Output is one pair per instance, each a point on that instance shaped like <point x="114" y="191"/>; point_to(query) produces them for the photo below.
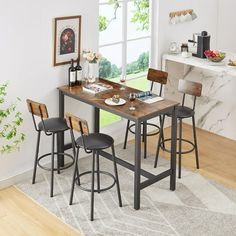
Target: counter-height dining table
<point x="143" y="112"/>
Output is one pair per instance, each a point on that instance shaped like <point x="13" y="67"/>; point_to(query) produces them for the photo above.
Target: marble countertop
<point x="221" y="67"/>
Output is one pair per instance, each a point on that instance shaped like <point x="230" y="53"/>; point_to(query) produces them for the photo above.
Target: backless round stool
<point x="51" y="127"/>
<point x="91" y="143"/>
<point x="155" y="76"/>
<point x="190" y="88"/>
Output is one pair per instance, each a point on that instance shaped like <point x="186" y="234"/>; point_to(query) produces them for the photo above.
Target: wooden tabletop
<point x="143" y="110"/>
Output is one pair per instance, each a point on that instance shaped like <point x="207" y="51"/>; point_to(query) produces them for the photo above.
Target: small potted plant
<point x="10" y="121"/>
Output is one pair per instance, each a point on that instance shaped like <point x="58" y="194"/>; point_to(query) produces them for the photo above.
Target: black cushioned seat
<point x="95" y="141"/>
<point x="53" y="125"/>
<point x="50" y="127"/>
<point x="193" y="89"/>
<point x="182" y="112"/>
<point x="91" y="143"/>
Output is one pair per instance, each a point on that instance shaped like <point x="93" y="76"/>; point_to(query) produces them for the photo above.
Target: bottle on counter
<point x="184" y="47"/>
<point x="184" y="50"/>
<point x="72" y="74"/>
<point x="78" y="69"/>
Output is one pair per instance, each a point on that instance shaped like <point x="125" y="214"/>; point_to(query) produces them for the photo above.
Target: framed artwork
<point x="67" y="36"/>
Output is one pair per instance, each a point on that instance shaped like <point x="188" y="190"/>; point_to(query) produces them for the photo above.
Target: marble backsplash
<point x="216" y="109"/>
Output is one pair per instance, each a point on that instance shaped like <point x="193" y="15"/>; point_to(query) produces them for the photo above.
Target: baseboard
<point x="17" y="178"/>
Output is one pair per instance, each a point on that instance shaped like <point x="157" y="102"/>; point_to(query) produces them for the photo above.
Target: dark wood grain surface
<point x="76" y="123"/>
<point x="157" y="76"/>
<point x="190" y="87"/>
<point x="36" y="108"/>
<point x="143" y="110"/>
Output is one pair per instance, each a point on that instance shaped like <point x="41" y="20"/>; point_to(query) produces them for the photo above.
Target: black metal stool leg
<point x="162" y="134"/>
<point x="126" y="134"/>
<point x="52" y="165"/>
<point x="92" y="188"/>
<point x="74" y="176"/>
<point x="36" y="157"/>
<point x="116" y="174"/>
<point x="180" y="146"/>
<point x="159" y="141"/>
<point x="75" y="155"/>
<point x="77" y="173"/>
<point x="58" y="157"/>
<point x="195" y="142"/>
<point x="98" y="172"/>
<point x="145" y="138"/>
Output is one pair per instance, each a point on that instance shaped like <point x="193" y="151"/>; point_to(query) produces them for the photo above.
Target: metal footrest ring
<point x="148" y="124"/>
<point x="177" y="152"/>
<point x="61" y="167"/>
<point x="96" y="190"/>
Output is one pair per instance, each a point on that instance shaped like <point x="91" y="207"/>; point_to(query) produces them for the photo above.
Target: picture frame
<point x="67" y="37"/>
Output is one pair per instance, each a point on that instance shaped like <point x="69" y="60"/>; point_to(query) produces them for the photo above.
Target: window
<point x="124" y="41"/>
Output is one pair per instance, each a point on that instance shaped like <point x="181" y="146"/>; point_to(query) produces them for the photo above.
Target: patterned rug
<point x="197" y="207"/>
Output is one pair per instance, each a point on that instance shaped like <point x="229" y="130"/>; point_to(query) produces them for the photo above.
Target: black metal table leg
<point x="173" y="150"/>
<point x="60" y="136"/>
<point x="126" y="134"/>
<point x="137" y="165"/>
<point x="96" y="119"/>
<point x="145" y="139"/>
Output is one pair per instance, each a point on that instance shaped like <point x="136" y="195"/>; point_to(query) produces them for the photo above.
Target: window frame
<point x="124" y="42"/>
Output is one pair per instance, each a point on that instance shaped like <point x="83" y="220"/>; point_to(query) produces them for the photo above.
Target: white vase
<point x="92" y="71"/>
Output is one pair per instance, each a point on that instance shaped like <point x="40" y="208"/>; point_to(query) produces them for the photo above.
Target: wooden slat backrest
<point x="190" y="87"/>
<point x="77" y="123"/>
<point x="157" y="76"/>
<point x="38" y="109"/>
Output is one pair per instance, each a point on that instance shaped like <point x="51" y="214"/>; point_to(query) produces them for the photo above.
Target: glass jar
<point x="92" y="72"/>
<point x="173" y="48"/>
<point x="184" y="47"/>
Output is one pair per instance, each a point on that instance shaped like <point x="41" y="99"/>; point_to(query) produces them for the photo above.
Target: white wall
<point x="226" y="26"/>
<point x="166" y="33"/>
<point x="26" y="48"/>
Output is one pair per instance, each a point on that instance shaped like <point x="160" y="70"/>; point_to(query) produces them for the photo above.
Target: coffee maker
<point x="203" y="43"/>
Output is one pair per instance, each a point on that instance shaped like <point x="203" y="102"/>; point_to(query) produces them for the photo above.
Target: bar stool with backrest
<point x="51" y="127"/>
<point x="158" y="77"/>
<point x="183" y="112"/>
<point x="91" y="143"/>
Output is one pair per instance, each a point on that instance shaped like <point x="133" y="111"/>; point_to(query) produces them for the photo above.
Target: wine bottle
<point x="72" y="74"/>
<point x="78" y="69"/>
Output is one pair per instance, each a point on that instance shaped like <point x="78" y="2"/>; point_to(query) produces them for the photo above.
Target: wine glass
<point x="122" y="82"/>
<point x="132" y="97"/>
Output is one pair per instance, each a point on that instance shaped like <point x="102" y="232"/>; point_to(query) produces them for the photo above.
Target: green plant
<point x="103" y="21"/>
<point x="140" y="15"/>
<point x="10" y="121"/>
<point x="109" y="71"/>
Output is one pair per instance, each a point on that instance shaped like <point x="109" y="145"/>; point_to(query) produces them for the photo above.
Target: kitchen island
<point x="216" y="109"/>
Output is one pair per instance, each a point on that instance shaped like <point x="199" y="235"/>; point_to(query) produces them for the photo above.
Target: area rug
<point x="197" y="207"/>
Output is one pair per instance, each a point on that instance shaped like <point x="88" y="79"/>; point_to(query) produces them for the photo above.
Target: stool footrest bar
<point x="56" y="153"/>
<point x="101" y="189"/>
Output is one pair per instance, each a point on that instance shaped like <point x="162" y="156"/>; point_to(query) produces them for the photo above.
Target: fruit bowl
<point x="214" y="56"/>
